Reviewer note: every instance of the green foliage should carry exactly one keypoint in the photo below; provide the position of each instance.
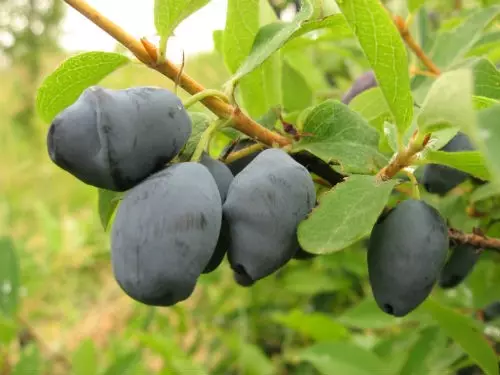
(63, 86)
(9, 277)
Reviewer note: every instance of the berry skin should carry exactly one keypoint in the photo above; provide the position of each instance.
(114, 139)
(461, 262)
(164, 234)
(265, 204)
(407, 250)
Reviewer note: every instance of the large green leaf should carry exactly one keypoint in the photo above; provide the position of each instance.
(384, 49)
(345, 214)
(272, 41)
(486, 191)
(317, 326)
(448, 102)
(471, 162)
(335, 23)
(452, 45)
(8, 330)
(84, 360)
(417, 361)
(107, 202)
(466, 333)
(297, 94)
(372, 106)
(168, 14)
(342, 358)
(341, 136)
(65, 84)
(9, 278)
(261, 89)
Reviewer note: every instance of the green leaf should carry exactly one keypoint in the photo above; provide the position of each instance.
(482, 102)
(416, 363)
(335, 23)
(308, 282)
(124, 364)
(448, 102)
(30, 362)
(471, 162)
(386, 53)
(253, 361)
(9, 278)
(296, 92)
(367, 315)
(65, 84)
(485, 134)
(466, 333)
(261, 89)
(341, 136)
(84, 361)
(452, 45)
(486, 79)
(200, 122)
(272, 41)
(342, 358)
(107, 203)
(317, 326)
(168, 14)
(483, 192)
(8, 330)
(345, 214)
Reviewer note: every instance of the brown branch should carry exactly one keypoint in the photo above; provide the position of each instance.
(413, 45)
(402, 159)
(477, 240)
(241, 121)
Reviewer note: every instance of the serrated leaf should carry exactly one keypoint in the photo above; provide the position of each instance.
(345, 214)
(367, 315)
(30, 362)
(452, 45)
(261, 89)
(386, 53)
(84, 360)
(317, 326)
(65, 84)
(200, 122)
(9, 278)
(168, 14)
(448, 102)
(466, 333)
(471, 162)
(342, 358)
(272, 41)
(107, 202)
(486, 191)
(341, 136)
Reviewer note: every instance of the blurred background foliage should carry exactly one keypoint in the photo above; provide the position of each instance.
(64, 313)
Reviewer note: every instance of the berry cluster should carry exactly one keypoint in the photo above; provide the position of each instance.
(177, 221)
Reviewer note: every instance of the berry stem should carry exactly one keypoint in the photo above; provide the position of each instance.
(206, 137)
(205, 94)
(414, 184)
(477, 240)
(148, 54)
(243, 152)
(413, 45)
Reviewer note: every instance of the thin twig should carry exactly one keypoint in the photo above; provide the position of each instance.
(413, 45)
(244, 152)
(477, 240)
(148, 56)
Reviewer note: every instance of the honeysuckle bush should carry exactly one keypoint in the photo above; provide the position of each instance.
(434, 65)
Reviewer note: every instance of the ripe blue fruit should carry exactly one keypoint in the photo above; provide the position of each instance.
(223, 178)
(461, 262)
(113, 139)
(440, 179)
(407, 250)
(164, 234)
(265, 203)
